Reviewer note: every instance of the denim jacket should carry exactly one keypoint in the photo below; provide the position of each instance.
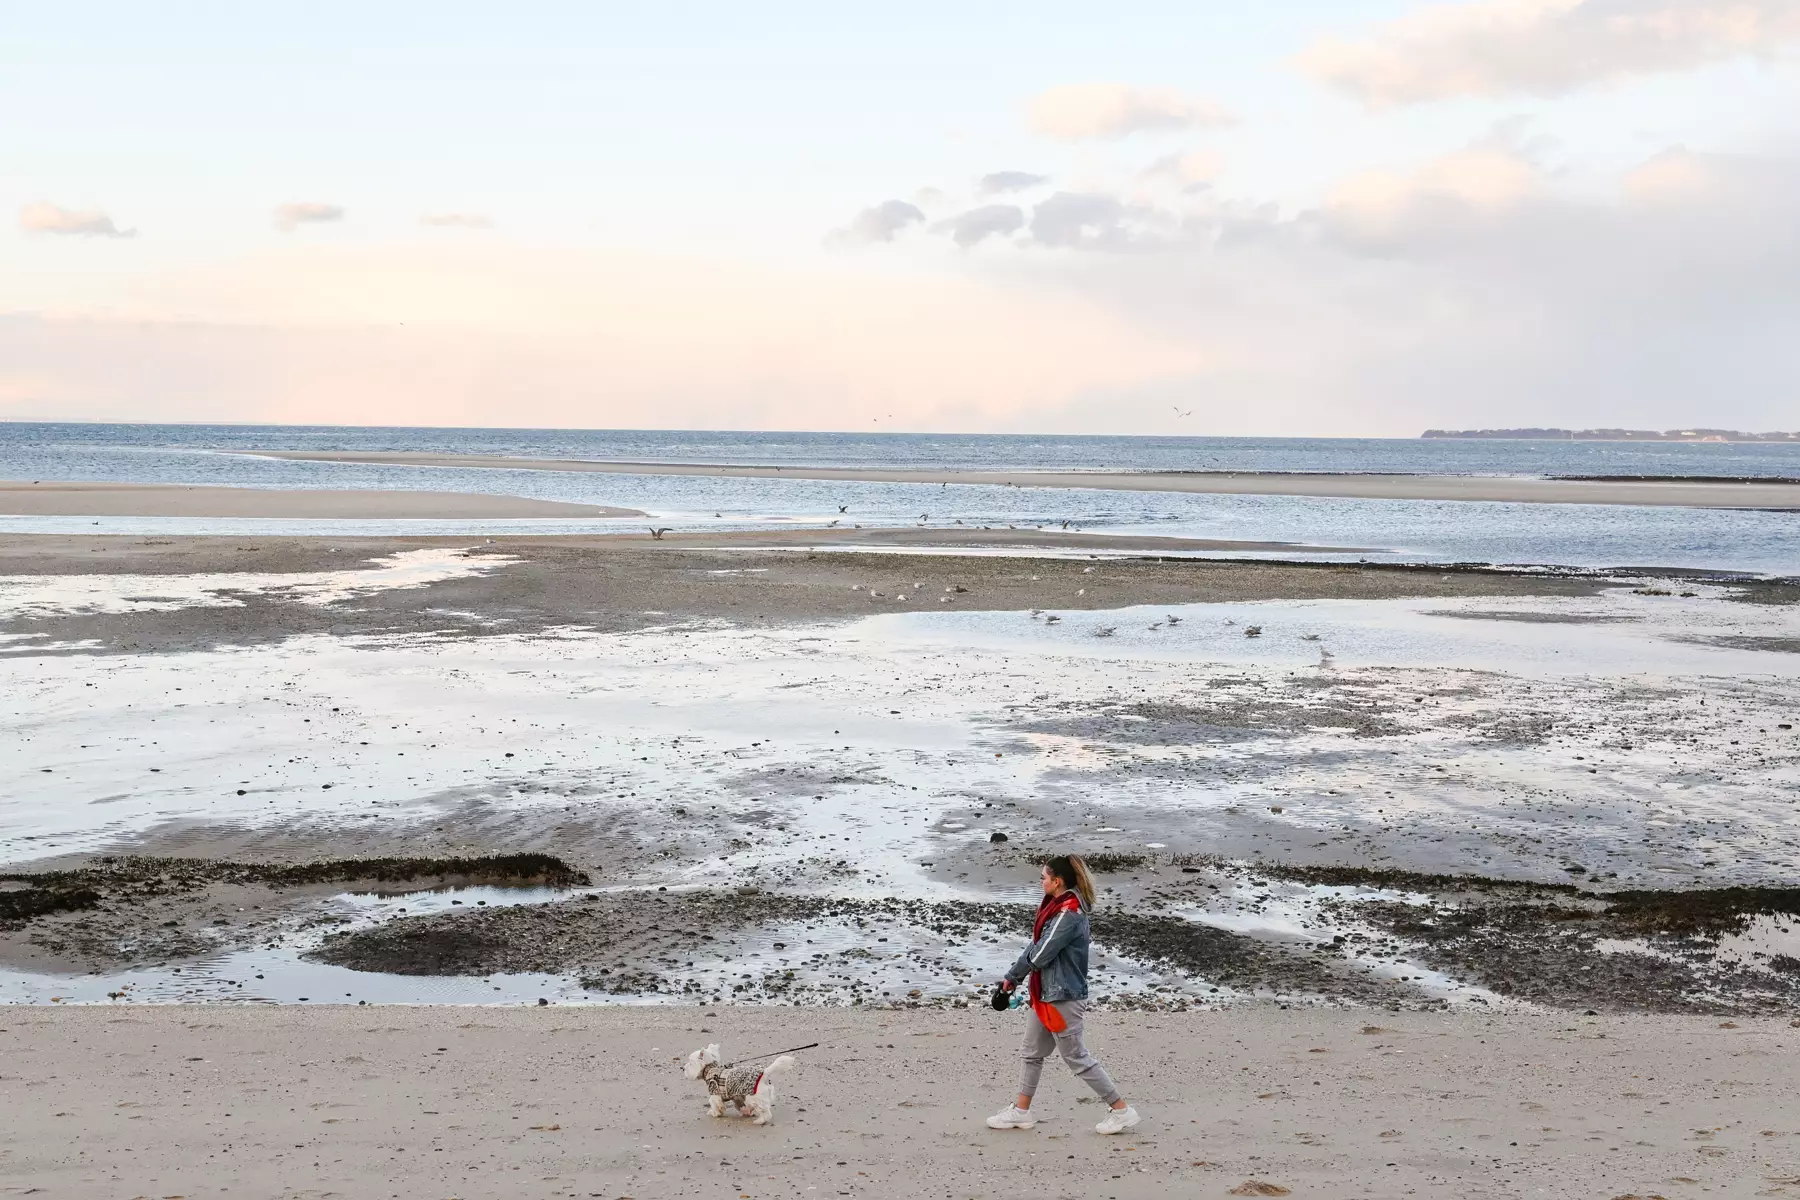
(1059, 956)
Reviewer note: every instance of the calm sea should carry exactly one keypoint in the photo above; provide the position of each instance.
(1569, 535)
(1017, 451)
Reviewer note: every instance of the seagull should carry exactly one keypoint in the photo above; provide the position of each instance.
(1081, 591)
(657, 533)
(1173, 619)
(1253, 631)
(1179, 413)
(1326, 657)
(1052, 619)
(833, 525)
(843, 508)
(1106, 631)
(1309, 637)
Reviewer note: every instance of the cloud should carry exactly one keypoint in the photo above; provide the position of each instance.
(1476, 287)
(1441, 198)
(1000, 183)
(1192, 169)
(43, 217)
(289, 217)
(882, 223)
(452, 220)
(1076, 218)
(1544, 47)
(990, 220)
(1088, 111)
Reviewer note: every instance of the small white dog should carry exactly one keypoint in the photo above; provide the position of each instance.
(750, 1088)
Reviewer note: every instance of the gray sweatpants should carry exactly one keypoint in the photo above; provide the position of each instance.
(1038, 1042)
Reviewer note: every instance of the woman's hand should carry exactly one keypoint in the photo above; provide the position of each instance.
(1007, 985)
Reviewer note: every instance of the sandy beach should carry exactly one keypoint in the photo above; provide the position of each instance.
(556, 1102)
(1679, 493)
(58, 498)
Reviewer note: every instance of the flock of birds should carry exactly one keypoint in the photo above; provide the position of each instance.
(656, 533)
(1102, 631)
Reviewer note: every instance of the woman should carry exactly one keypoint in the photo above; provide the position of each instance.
(1057, 962)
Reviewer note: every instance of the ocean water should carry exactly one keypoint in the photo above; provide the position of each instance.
(20, 442)
(1380, 530)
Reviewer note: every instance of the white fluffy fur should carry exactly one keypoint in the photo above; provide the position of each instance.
(760, 1106)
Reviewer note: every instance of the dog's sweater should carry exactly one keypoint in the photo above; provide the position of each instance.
(733, 1085)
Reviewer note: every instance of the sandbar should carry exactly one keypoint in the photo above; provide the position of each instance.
(1711, 493)
(82, 498)
(354, 1102)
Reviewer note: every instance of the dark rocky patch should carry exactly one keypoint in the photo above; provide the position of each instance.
(1532, 618)
(24, 903)
(1772, 645)
(1107, 862)
(1707, 912)
(1397, 880)
(134, 877)
(1545, 947)
(132, 909)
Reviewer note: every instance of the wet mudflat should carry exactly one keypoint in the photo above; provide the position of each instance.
(840, 804)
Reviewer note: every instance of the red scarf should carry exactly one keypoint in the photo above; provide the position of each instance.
(1062, 902)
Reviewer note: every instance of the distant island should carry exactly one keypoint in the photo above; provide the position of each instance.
(1615, 435)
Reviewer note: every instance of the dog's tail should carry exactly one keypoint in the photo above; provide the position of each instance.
(780, 1064)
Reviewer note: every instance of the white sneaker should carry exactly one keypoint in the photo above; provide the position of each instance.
(1118, 1120)
(1012, 1117)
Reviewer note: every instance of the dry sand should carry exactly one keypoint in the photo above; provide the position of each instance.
(1512, 489)
(58, 498)
(508, 1102)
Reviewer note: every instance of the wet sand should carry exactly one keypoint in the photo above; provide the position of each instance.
(629, 581)
(58, 498)
(1639, 491)
(557, 1102)
(877, 745)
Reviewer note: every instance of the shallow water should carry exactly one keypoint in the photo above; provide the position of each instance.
(57, 595)
(1430, 531)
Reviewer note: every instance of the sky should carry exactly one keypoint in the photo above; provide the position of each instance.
(1356, 218)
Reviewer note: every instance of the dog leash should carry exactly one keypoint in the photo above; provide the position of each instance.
(773, 1053)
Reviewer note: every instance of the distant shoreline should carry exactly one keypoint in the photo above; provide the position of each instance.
(1681, 436)
(1493, 488)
